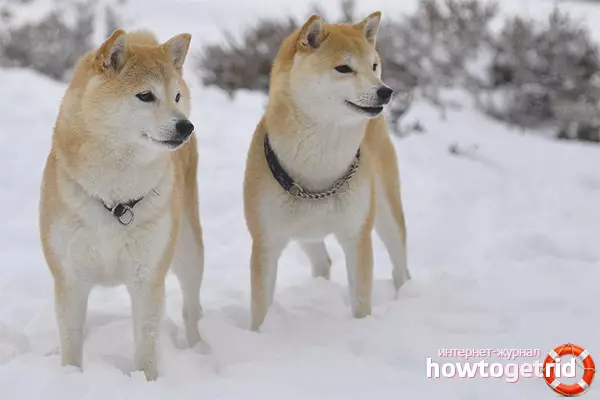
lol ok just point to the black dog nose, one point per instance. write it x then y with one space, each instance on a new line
184 128
385 94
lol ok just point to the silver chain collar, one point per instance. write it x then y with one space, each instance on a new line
340 186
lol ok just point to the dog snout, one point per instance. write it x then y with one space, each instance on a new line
384 93
184 128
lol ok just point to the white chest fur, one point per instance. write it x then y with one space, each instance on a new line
95 248
109 255
316 162
294 218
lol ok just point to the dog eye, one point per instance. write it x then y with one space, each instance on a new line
374 67
146 97
344 69
177 98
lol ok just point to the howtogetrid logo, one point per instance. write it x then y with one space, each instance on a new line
583 359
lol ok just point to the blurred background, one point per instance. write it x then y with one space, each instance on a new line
531 64
496 125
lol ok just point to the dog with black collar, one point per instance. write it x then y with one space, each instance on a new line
321 162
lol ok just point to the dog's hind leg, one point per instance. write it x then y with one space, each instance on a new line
317 254
389 215
390 227
188 265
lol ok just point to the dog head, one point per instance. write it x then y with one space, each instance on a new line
137 94
336 72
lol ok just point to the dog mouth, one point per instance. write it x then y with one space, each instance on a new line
170 144
370 111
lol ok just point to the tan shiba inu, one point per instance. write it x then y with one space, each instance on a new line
321 162
119 202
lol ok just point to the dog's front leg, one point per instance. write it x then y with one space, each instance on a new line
359 264
263 271
70 301
147 302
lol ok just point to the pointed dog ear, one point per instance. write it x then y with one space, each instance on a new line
111 55
312 34
177 48
370 26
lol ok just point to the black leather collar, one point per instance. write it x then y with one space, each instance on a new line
294 189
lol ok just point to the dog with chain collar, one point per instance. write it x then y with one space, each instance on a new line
321 162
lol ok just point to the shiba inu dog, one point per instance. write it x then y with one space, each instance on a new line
119 202
321 162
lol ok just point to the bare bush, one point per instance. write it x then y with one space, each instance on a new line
545 74
245 65
430 49
49 46
52 44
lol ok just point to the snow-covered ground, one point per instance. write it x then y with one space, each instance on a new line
503 249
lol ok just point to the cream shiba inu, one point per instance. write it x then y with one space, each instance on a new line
119 201
321 162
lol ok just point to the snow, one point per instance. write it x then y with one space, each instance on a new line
503 249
